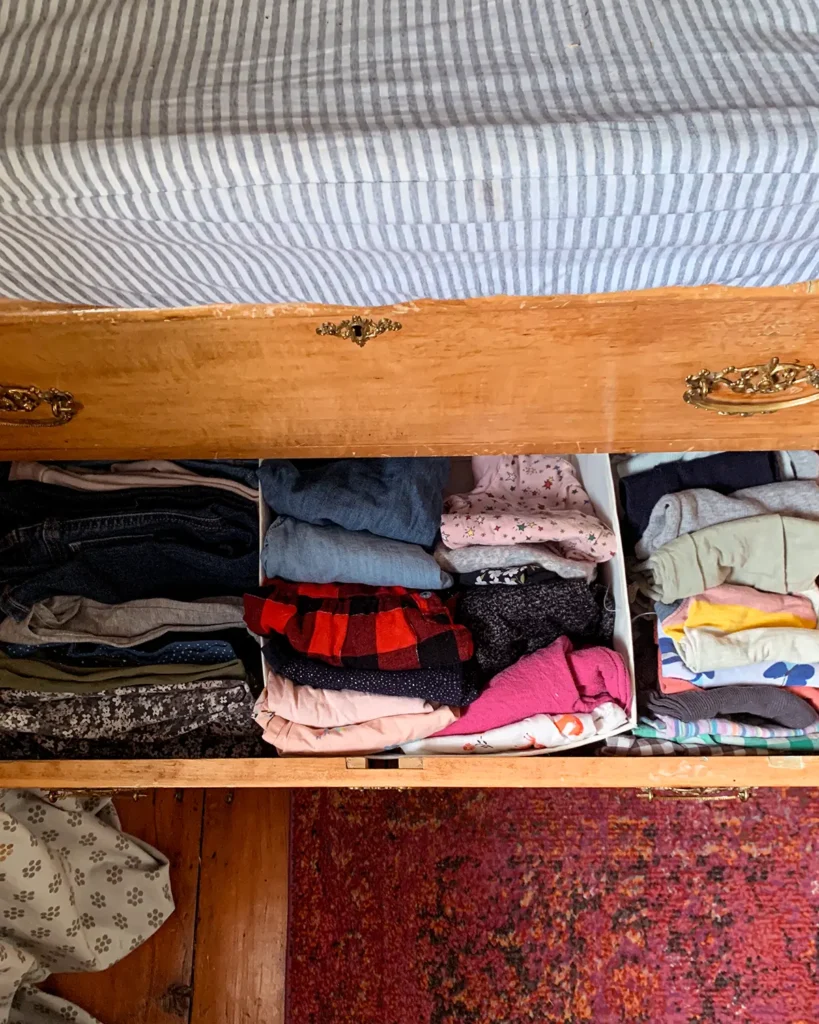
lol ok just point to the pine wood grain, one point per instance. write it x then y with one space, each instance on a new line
552 772
241 937
566 373
153 984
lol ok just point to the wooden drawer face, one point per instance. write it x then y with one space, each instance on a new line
603 373
553 772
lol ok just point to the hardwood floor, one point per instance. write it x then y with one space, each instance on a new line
221 957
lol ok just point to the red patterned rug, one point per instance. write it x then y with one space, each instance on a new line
513 906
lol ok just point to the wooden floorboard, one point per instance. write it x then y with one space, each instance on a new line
153 985
241 936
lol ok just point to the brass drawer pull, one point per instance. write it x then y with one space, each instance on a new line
26 398
359 329
697 794
769 378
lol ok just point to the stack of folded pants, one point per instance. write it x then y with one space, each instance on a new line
123 633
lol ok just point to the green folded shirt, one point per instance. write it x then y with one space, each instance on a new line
42 676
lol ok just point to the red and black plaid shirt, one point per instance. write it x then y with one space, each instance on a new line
356 626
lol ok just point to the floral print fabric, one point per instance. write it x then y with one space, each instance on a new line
75 895
537 732
527 499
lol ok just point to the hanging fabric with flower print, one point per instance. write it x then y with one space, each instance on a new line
76 894
527 499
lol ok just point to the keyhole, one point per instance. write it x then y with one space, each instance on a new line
357 330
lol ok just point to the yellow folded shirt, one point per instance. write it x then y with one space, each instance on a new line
731 609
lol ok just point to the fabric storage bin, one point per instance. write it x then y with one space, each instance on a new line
596 476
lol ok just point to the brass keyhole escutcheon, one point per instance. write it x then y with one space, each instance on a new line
359 329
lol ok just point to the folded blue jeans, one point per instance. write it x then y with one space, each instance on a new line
200 544
329 554
397 498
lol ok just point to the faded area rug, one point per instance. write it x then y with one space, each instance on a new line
513 906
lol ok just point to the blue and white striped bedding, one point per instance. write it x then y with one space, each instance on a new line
374 151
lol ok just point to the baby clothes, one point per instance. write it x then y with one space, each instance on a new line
704 650
781 674
331 554
478 557
523 499
774 673
397 498
730 609
687 511
727 731
773 704
551 681
445 684
514 577
508 622
119 476
538 732
357 626
361 738
725 472
326 709
775 553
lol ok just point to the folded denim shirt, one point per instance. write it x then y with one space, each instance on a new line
397 498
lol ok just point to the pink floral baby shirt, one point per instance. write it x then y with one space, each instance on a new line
527 499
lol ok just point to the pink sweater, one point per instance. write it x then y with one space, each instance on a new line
554 680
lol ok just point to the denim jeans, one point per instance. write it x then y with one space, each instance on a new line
124 545
328 554
171 649
397 498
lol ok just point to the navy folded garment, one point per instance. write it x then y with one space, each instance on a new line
725 472
397 498
446 685
121 546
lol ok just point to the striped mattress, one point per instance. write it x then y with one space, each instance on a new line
374 151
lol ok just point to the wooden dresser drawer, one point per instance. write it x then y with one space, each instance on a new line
552 772
599 373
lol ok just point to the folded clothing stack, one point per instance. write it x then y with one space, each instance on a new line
523 510
732 574
354 668
355 521
359 663
123 633
546 699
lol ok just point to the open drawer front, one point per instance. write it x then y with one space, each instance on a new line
572 373
581 767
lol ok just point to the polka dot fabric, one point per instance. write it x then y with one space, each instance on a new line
76 894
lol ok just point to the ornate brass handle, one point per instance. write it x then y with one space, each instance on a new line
26 398
769 378
359 329
700 794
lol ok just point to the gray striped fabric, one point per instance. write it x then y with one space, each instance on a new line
372 151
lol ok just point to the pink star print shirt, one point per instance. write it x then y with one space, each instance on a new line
527 499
